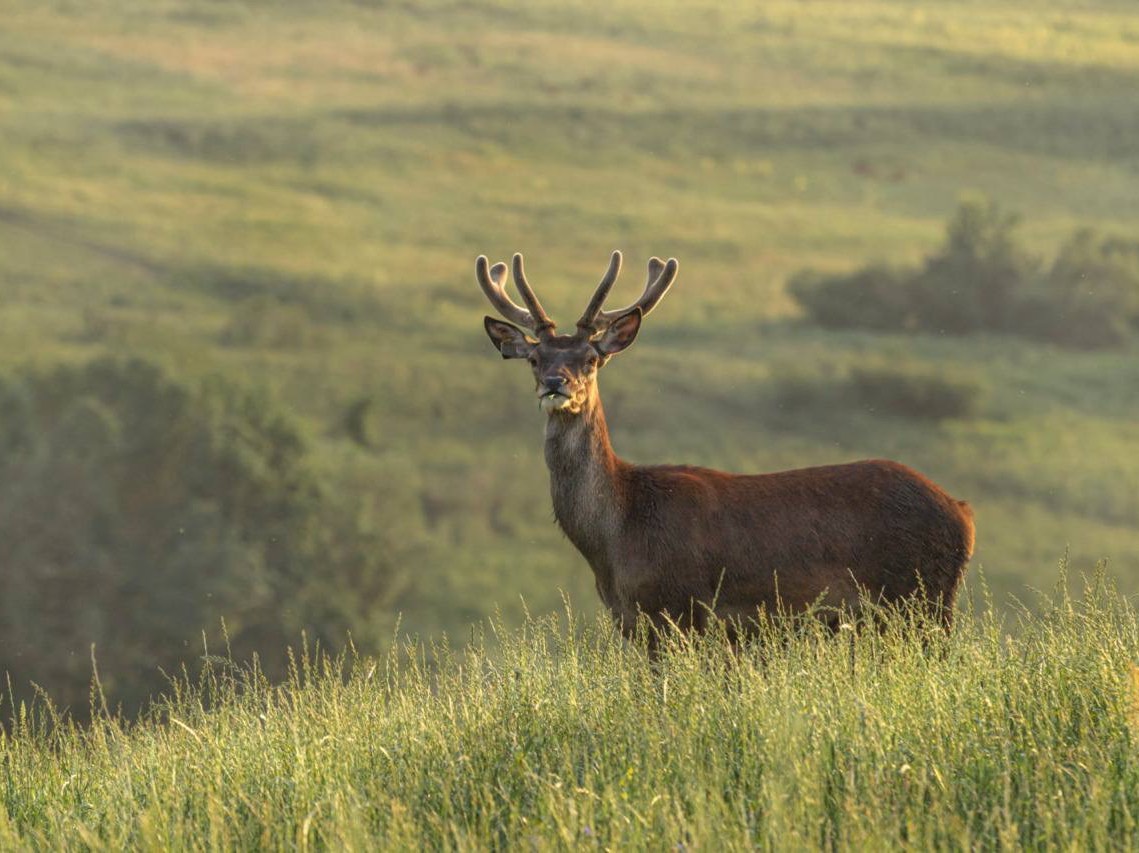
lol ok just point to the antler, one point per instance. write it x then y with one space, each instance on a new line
660 279
492 280
593 309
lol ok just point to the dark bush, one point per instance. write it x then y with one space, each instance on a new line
362 422
137 511
981 280
872 298
975 281
915 392
1089 297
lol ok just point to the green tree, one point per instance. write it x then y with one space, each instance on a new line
975 281
137 510
1090 295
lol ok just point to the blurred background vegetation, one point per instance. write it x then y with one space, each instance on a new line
245 375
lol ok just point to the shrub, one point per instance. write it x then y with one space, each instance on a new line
872 298
981 280
361 422
1090 296
918 393
137 510
975 281
908 391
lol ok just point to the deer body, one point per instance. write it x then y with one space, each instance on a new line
676 542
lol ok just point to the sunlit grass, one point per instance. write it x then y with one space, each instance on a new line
1014 732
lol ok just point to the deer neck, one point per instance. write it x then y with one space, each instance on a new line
585 479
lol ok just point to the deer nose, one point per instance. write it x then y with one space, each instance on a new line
554 384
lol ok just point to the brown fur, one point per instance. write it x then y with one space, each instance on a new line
676 540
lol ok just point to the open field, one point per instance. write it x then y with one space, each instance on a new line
293 195
548 738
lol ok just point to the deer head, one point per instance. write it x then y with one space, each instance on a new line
565 366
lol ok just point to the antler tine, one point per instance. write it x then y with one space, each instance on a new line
593 309
660 279
492 280
655 266
543 324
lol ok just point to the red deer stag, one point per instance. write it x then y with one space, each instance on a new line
676 541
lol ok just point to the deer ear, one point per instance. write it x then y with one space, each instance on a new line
511 341
621 333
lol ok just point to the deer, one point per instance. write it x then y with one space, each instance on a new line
681 544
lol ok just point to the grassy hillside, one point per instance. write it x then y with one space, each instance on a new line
294 194
556 738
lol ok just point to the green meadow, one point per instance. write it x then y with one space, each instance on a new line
292 195
560 736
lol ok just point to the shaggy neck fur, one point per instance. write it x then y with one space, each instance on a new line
585 478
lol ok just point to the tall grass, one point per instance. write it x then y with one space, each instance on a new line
560 735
